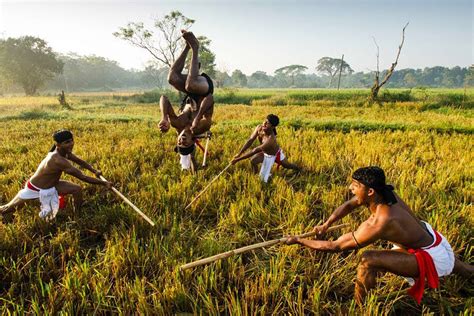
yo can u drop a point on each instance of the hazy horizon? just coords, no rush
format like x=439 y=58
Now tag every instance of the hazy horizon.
x=261 y=35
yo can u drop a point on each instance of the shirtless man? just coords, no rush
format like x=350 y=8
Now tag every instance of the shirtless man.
x=46 y=185
x=419 y=250
x=196 y=111
x=268 y=152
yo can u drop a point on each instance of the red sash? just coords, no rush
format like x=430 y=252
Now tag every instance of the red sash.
x=31 y=187
x=427 y=270
x=278 y=159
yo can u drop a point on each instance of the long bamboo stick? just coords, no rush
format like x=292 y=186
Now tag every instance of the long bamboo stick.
x=205 y=152
x=136 y=209
x=207 y=186
x=251 y=247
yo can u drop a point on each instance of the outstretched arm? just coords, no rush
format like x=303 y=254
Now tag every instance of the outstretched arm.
x=249 y=141
x=68 y=168
x=367 y=233
x=346 y=208
x=265 y=146
x=84 y=164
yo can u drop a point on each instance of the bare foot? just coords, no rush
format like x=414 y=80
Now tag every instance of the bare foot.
x=190 y=39
x=164 y=125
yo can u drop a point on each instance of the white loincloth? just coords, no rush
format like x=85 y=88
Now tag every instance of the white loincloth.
x=185 y=161
x=268 y=161
x=48 y=198
x=442 y=255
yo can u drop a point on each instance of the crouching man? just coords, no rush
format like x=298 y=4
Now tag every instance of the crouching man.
x=420 y=252
x=46 y=185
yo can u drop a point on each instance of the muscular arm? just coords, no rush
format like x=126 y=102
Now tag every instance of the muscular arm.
x=68 y=168
x=265 y=146
x=82 y=163
x=346 y=208
x=367 y=233
x=250 y=141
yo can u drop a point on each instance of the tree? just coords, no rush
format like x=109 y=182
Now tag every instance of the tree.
x=259 y=79
x=291 y=71
x=374 y=91
x=331 y=66
x=239 y=78
x=29 y=62
x=165 y=44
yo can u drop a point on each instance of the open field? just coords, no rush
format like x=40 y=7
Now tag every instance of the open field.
x=107 y=259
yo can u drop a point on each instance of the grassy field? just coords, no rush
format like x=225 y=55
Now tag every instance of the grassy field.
x=107 y=259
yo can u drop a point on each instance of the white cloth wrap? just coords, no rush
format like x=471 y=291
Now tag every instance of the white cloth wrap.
x=185 y=161
x=442 y=255
x=49 y=200
x=268 y=161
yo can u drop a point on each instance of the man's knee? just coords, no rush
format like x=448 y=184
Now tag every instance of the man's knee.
x=76 y=189
x=172 y=78
x=368 y=260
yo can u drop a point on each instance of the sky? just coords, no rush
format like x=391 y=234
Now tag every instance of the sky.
x=261 y=35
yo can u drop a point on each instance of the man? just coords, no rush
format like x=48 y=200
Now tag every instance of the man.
x=268 y=152
x=420 y=251
x=46 y=185
x=195 y=117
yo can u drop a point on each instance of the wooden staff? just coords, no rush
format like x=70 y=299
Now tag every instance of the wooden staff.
x=207 y=186
x=131 y=204
x=205 y=151
x=250 y=247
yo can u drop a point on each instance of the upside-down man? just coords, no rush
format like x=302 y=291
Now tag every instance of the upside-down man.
x=195 y=117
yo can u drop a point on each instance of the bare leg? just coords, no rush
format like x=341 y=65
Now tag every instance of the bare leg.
x=376 y=261
x=194 y=82
x=175 y=76
x=255 y=161
x=11 y=206
x=463 y=269
x=65 y=187
x=285 y=164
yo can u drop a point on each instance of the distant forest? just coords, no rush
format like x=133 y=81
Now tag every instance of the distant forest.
x=94 y=73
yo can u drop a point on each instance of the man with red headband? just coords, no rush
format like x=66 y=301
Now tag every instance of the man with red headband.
x=420 y=253
x=268 y=152
x=46 y=185
x=195 y=115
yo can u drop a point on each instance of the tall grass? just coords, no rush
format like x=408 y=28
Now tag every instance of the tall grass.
x=105 y=259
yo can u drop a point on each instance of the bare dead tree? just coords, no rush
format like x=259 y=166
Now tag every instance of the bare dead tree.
x=374 y=91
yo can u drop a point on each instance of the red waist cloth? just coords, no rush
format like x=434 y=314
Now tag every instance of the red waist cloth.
x=278 y=159
x=427 y=270
x=30 y=186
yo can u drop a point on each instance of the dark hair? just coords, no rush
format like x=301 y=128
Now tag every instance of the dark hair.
x=184 y=150
x=374 y=177
x=274 y=120
x=60 y=136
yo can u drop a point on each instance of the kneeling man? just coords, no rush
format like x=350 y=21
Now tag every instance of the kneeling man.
x=268 y=152
x=46 y=185
x=420 y=252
